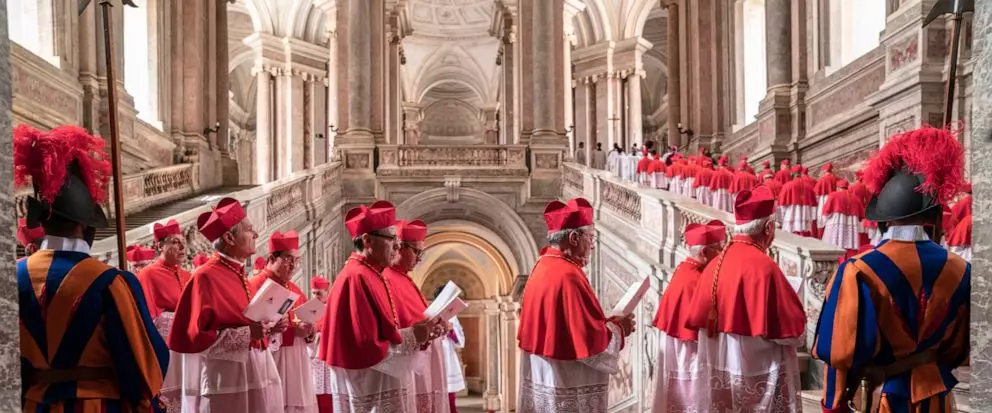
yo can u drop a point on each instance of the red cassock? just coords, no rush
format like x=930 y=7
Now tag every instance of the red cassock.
x=560 y=317
x=774 y=187
x=783 y=176
x=826 y=184
x=410 y=303
x=673 y=309
x=214 y=299
x=163 y=285
x=859 y=190
x=642 y=164
x=255 y=283
x=753 y=297
x=721 y=179
x=359 y=319
x=767 y=173
x=743 y=180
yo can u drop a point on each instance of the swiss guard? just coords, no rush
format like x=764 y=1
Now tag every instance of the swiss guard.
x=87 y=341
x=896 y=316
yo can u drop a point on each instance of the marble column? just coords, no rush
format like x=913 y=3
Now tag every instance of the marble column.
x=394 y=124
x=674 y=77
x=543 y=41
x=571 y=8
x=263 y=126
x=309 y=123
x=222 y=81
x=289 y=118
x=607 y=110
x=490 y=126
x=411 y=124
x=981 y=170
x=10 y=388
x=585 y=105
x=329 y=7
x=359 y=36
x=509 y=106
x=635 y=129
x=778 y=43
x=492 y=396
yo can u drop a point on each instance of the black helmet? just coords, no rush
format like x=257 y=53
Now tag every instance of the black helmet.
x=73 y=203
x=899 y=199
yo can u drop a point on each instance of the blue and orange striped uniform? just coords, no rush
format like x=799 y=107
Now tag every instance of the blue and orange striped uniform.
x=902 y=298
x=77 y=313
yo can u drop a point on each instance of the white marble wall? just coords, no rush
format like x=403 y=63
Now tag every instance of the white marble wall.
x=10 y=367
x=981 y=152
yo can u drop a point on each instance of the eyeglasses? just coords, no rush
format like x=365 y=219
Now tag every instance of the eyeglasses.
x=386 y=236
x=418 y=251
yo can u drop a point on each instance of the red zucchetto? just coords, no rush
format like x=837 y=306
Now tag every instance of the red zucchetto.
x=221 y=219
x=559 y=216
x=365 y=219
x=752 y=205
x=259 y=264
x=279 y=242
x=414 y=230
x=319 y=283
x=164 y=231
x=705 y=234
x=139 y=254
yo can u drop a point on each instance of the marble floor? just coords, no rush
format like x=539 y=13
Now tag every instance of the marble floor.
x=469 y=404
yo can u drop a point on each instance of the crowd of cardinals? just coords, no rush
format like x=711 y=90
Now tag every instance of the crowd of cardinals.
x=828 y=207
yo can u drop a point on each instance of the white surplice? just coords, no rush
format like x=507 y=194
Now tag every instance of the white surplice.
x=675 y=374
x=172 y=383
x=745 y=374
x=429 y=390
x=293 y=365
x=383 y=388
x=569 y=386
x=453 y=366
x=319 y=370
x=230 y=376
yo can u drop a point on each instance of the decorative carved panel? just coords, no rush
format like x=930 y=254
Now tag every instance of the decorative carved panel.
x=622 y=199
x=356 y=161
x=546 y=161
x=903 y=53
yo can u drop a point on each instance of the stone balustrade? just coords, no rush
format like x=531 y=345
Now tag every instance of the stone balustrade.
x=641 y=234
x=306 y=199
x=142 y=190
x=440 y=160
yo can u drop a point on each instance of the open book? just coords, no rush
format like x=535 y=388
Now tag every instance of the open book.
x=446 y=304
x=310 y=311
x=633 y=296
x=270 y=303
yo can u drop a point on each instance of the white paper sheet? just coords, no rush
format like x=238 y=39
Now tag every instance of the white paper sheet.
x=310 y=311
x=634 y=294
x=795 y=282
x=270 y=303
x=446 y=304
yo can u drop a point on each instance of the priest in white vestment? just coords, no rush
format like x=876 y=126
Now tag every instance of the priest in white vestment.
x=371 y=358
x=570 y=348
x=452 y=365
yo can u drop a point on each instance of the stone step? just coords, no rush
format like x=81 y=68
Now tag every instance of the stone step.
x=811 y=400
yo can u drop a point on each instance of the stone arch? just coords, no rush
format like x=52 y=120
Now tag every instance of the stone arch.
x=640 y=9
x=453 y=243
x=508 y=228
x=463 y=276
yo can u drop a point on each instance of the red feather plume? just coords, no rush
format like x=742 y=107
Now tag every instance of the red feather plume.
x=43 y=159
x=931 y=152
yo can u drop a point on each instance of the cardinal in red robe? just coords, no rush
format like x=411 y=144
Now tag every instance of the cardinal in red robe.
x=163 y=282
x=720 y=182
x=767 y=172
x=139 y=257
x=677 y=345
x=824 y=186
x=962 y=207
x=430 y=383
x=570 y=348
x=289 y=347
x=749 y=319
x=797 y=205
x=227 y=364
x=744 y=180
x=319 y=370
x=370 y=355
x=784 y=173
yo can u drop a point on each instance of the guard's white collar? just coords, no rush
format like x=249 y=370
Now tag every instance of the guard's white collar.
x=906 y=233
x=52 y=242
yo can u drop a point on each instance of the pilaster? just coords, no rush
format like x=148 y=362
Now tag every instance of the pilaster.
x=411 y=123
x=915 y=70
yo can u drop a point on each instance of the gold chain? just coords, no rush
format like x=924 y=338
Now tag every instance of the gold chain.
x=240 y=272
x=573 y=262
x=389 y=293
x=716 y=279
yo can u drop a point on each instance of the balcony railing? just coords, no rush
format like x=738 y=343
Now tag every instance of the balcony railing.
x=652 y=222
x=142 y=190
x=286 y=203
x=429 y=160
